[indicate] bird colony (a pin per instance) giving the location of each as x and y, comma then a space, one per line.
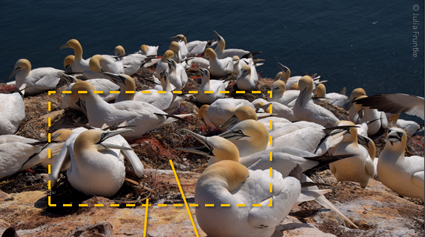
259, 150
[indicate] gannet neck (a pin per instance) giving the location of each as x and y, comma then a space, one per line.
321, 91
351, 135
221, 43
168, 54
78, 49
64, 134
68, 62
205, 84
165, 83
119, 51
175, 47
211, 55
94, 63
305, 85
227, 174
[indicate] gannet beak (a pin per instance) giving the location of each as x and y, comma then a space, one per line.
16, 70
233, 135
217, 35
65, 46
394, 136
113, 146
108, 134
282, 67
230, 121
68, 69
199, 150
82, 104
175, 38
115, 78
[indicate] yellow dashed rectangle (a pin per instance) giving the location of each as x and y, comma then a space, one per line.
224, 92
177, 92
209, 92
49, 185
114, 205
49, 122
271, 156
49, 106
240, 92
98, 92
67, 205
225, 205
51, 92
271, 172
162, 205
256, 205
193, 205
161, 92
271, 140
66, 92
241, 205
209, 205
49, 153
49, 169
271, 108
193, 92
99, 205
129, 92
82, 92
145, 92
270, 93
256, 92
114, 92
83, 205
177, 205
271, 187
130, 205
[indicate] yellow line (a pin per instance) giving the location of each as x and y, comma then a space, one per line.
271, 172
99, 205
271, 202
193, 92
162, 205
271, 156
98, 92
271, 94
146, 218
66, 92
130, 205
83, 205
177, 92
49, 202
49, 169
209, 205
161, 92
129, 92
49, 153
114, 205
82, 92
49, 106
51, 92
240, 92
49, 137
224, 92
49, 185
256, 92
193, 205
67, 205
271, 140
271, 187
256, 205
114, 92
209, 92
271, 124
241, 205
145, 92
49, 122
184, 199
178, 205
225, 205
271, 108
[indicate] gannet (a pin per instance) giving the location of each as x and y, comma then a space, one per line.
203, 115
127, 84
162, 64
248, 78
280, 110
35, 81
358, 168
104, 63
197, 61
178, 75
285, 75
224, 53
215, 86
131, 62
79, 64
103, 85
281, 95
97, 162
403, 175
228, 182
179, 51
68, 62
12, 112
194, 48
395, 103
15, 151
148, 50
305, 109
142, 116
410, 127
219, 67
333, 98
377, 120
222, 109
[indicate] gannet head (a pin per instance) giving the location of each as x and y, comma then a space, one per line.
305, 83
210, 53
64, 134
231, 172
371, 148
171, 64
278, 87
245, 70
241, 113
351, 131
261, 105
119, 51
21, 65
221, 43
286, 72
175, 47
205, 73
168, 54
278, 75
250, 130
179, 37
357, 106
144, 49
356, 93
94, 63
68, 62
79, 91
396, 139
235, 63
321, 91
94, 139
72, 43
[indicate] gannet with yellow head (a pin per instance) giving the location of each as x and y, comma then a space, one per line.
358, 168
162, 64
35, 81
216, 86
404, 175
148, 50
177, 73
222, 52
333, 98
105, 63
79, 64
278, 109
222, 109
281, 95
12, 112
305, 109
248, 78
219, 67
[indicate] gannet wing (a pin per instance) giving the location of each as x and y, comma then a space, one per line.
418, 179
132, 157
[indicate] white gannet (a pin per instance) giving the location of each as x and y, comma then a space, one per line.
403, 175
228, 182
358, 168
35, 81
97, 162
162, 64
194, 48
103, 85
376, 120
395, 103
281, 95
79, 64
68, 62
224, 53
222, 109
197, 61
179, 51
15, 151
280, 110
143, 116
219, 67
148, 50
105, 63
12, 112
131, 62
409, 126
333, 98
214, 86
305, 109
127, 84
203, 115
178, 75
248, 78
285, 75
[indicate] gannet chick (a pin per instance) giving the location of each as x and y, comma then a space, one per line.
149, 50
358, 168
97, 162
403, 175
12, 112
395, 103
215, 86
79, 64
35, 81
281, 95
162, 64
222, 109
224, 53
280, 110
99, 84
248, 78
219, 67
333, 98
228, 182
143, 116
305, 109
127, 84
